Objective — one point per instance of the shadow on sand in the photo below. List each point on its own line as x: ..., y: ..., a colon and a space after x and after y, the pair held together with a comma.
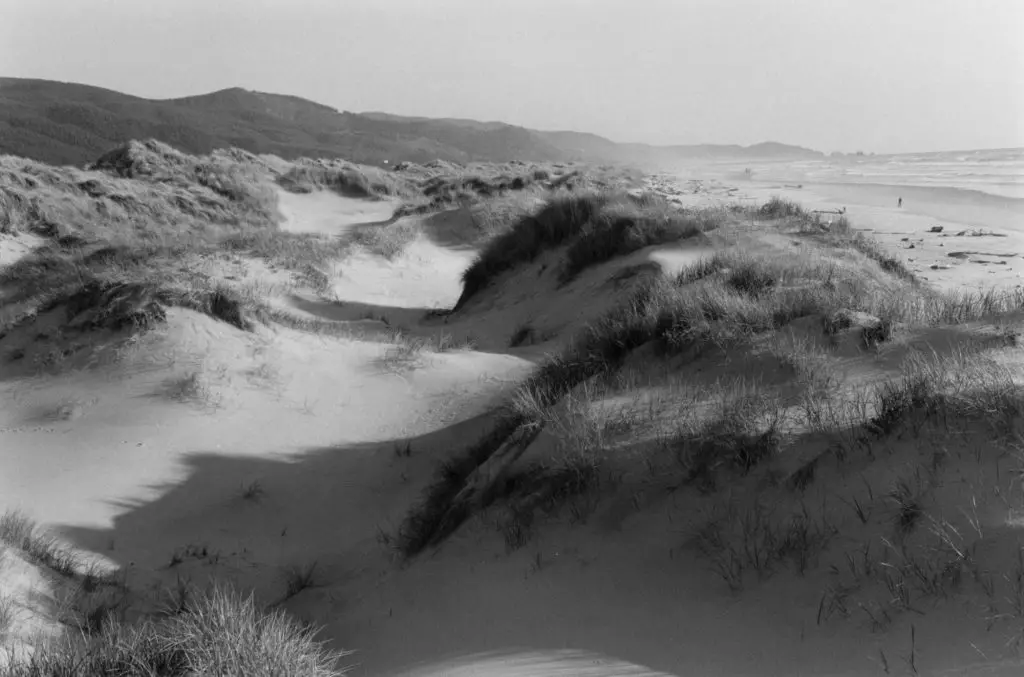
x: 247, y: 520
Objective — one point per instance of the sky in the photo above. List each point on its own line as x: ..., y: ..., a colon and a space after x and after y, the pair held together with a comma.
x: 873, y: 75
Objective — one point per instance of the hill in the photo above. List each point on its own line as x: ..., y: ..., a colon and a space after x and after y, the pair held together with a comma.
x: 67, y: 123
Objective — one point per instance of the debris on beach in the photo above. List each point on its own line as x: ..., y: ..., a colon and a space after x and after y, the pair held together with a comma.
x: 979, y: 232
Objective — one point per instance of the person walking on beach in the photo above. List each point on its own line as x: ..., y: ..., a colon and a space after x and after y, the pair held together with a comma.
x: 899, y: 203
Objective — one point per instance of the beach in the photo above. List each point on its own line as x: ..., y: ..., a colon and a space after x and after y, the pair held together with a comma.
x: 958, y: 232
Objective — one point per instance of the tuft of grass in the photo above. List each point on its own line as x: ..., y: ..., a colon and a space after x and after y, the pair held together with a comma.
x: 20, y: 532
x: 742, y: 432
x: 778, y: 208
x: 8, y: 614
x: 219, y: 633
x: 299, y: 577
x: 908, y: 507
x: 192, y: 388
x: 307, y: 175
x: 406, y: 352
x: 252, y: 491
x: 623, y: 227
x: 594, y: 226
x: 388, y: 240
x: 559, y: 220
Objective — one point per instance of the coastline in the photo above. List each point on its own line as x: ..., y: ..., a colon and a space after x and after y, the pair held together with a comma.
x: 980, y: 245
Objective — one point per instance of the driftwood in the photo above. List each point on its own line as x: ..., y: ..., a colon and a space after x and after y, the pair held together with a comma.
x: 479, y: 484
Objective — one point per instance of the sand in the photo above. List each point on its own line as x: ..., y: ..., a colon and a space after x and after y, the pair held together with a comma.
x: 980, y: 244
x: 87, y: 450
x: 201, y: 451
x: 327, y: 212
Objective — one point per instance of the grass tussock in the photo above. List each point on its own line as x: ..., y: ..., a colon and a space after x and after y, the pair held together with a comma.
x: 344, y: 178
x: 594, y: 227
x: 743, y: 430
x: 388, y: 240
x: 21, y: 533
x: 219, y: 633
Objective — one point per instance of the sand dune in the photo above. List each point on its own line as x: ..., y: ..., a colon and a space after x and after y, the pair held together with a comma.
x: 198, y: 451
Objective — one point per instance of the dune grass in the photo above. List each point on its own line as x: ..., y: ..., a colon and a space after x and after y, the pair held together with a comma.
x: 594, y: 226
x: 344, y: 178
x: 723, y: 303
x: 129, y: 236
x: 216, y: 632
x: 21, y: 533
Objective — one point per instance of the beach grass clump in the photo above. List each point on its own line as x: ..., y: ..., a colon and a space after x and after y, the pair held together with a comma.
x: 594, y: 226
x: 22, y: 533
x: 218, y: 633
x: 342, y: 177
x: 623, y: 227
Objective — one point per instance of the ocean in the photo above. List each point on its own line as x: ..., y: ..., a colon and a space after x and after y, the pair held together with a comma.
x: 997, y: 172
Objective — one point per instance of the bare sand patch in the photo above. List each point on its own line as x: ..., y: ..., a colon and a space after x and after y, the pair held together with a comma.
x: 328, y: 213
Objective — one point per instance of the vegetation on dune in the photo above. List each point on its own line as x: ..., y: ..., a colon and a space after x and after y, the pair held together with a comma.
x: 135, y: 233
x: 443, y: 186
x: 463, y: 187
x: 593, y: 226
x: 129, y: 233
x: 780, y: 208
x: 174, y: 197
x: 728, y: 301
x: 307, y: 175
x: 145, y: 226
x: 213, y: 632
x: 217, y: 633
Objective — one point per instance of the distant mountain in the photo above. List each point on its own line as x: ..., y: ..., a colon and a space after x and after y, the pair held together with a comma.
x: 67, y: 123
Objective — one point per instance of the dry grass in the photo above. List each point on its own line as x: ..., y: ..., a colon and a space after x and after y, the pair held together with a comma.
x: 388, y: 240
x: 593, y: 226
x: 219, y: 633
x: 406, y: 352
x: 728, y: 303
x: 19, y: 532
x: 345, y: 178
x: 8, y: 614
x: 193, y: 388
x: 129, y: 235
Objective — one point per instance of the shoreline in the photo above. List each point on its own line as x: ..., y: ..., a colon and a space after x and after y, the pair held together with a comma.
x: 980, y: 245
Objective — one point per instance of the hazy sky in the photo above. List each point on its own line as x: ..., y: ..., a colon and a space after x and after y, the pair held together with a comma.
x: 877, y: 75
